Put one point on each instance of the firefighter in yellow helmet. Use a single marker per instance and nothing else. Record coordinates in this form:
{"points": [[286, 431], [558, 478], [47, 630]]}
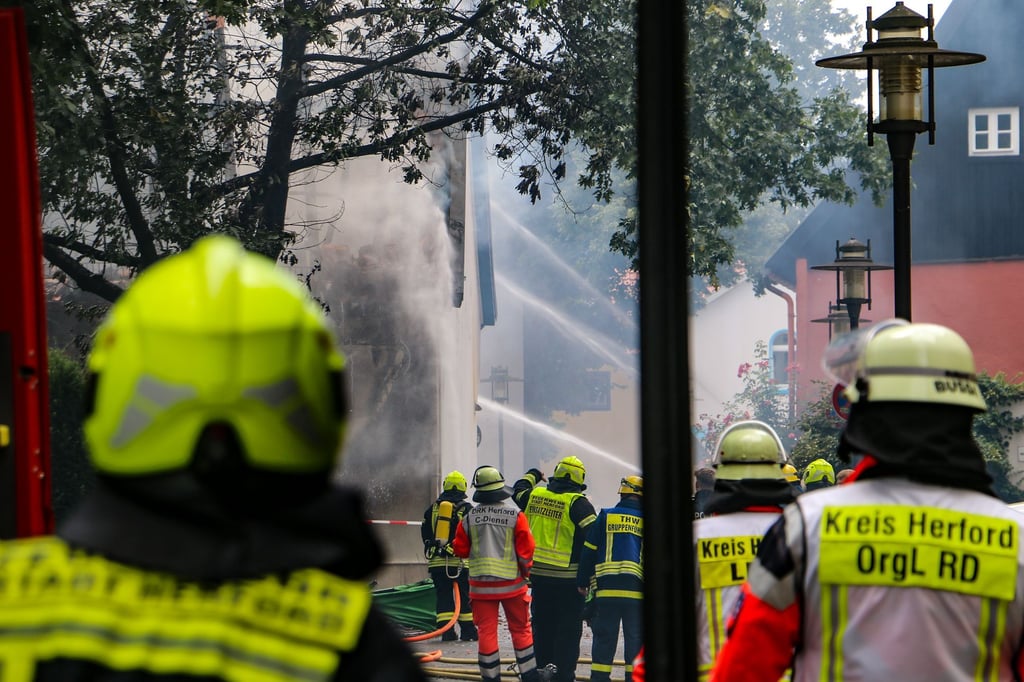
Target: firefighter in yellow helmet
{"points": [[912, 571], [789, 471], [214, 545], [559, 515], [440, 521], [818, 474], [750, 492], [613, 558]]}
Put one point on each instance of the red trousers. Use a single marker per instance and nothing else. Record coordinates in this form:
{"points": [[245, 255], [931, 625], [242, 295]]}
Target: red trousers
{"points": [[517, 614]]}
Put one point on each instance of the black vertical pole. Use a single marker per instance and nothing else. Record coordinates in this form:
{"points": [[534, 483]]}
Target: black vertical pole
{"points": [[669, 620], [901, 150]]}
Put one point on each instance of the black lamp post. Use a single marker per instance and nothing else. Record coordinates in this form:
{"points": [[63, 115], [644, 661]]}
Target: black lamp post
{"points": [[853, 267], [898, 55]]}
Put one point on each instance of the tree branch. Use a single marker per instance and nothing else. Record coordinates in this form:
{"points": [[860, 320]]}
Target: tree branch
{"points": [[243, 181], [86, 279], [91, 252], [340, 81], [423, 73], [119, 174]]}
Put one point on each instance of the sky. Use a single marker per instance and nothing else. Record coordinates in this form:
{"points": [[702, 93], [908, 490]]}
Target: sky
{"points": [[858, 8]]}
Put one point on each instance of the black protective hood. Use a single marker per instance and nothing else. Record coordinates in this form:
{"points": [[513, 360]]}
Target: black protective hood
{"points": [[564, 484], [451, 496], [169, 523], [733, 496], [923, 442]]}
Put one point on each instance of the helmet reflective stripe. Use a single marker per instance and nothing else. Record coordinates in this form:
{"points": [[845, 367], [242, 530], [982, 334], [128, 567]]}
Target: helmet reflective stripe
{"points": [[918, 371], [153, 394], [487, 478], [274, 395], [631, 485]]}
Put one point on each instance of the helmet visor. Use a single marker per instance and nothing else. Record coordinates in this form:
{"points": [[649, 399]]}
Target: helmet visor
{"points": [[842, 359]]}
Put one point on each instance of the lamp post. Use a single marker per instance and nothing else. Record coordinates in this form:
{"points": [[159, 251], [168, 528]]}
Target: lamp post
{"points": [[898, 55], [499, 380], [853, 267]]}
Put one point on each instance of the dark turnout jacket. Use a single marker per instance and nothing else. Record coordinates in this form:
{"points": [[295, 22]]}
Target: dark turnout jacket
{"points": [[134, 588]]}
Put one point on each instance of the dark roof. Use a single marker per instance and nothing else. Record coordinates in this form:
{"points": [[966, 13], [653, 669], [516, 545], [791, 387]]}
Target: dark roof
{"points": [[962, 208]]}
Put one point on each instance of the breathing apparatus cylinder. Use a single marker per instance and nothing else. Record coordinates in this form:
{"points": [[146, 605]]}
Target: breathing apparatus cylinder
{"points": [[443, 526]]}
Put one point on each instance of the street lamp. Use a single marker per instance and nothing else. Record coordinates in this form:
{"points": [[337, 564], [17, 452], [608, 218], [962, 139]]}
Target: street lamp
{"points": [[499, 380], [898, 55], [853, 266], [838, 320]]}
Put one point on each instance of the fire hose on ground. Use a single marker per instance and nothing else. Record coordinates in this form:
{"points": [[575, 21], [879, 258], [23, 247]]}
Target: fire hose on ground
{"points": [[437, 656], [470, 673]]}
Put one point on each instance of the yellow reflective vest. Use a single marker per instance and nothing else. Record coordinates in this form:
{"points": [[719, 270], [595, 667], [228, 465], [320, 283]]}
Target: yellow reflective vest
{"points": [[553, 529], [60, 603]]}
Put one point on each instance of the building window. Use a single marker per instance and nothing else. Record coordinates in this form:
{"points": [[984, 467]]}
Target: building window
{"points": [[596, 393], [994, 132], [778, 360]]}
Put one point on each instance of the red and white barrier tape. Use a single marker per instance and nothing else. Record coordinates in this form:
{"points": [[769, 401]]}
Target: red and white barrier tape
{"points": [[396, 523]]}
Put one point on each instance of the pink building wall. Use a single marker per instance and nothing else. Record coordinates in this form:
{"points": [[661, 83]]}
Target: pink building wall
{"points": [[983, 301]]}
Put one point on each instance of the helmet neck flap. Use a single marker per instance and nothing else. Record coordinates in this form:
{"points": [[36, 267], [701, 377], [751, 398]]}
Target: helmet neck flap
{"points": [[736, 495], [924, 442]]}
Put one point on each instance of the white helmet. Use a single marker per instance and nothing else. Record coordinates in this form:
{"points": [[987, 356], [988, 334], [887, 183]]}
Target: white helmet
{"points": [[749, 449]]}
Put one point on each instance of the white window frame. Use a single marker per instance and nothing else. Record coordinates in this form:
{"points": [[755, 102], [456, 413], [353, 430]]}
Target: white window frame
{"points": [[992, 115]]}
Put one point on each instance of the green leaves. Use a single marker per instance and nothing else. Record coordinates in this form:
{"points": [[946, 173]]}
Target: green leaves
{"points": [[765, 126], [163, 121]]}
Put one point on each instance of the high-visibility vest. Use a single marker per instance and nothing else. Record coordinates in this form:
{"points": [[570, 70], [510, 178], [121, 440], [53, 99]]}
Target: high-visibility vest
{"points": [[491, 529], [60, 603], [906, 581], [552, 528], [724, 546]]}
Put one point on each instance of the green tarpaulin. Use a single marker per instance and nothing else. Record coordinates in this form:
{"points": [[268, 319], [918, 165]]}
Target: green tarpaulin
{"points": [[411, 606]]}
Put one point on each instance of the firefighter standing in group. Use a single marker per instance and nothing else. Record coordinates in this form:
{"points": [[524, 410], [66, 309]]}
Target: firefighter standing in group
{"points": [[817, 475], [214, 545], [912, 571], [440, 521], [495, 537], [559, 515], [613, 557], [750, 493]]}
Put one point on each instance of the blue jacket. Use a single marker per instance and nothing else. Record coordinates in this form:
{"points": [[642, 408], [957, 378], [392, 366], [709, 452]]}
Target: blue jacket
{"points": [[613, 551]]}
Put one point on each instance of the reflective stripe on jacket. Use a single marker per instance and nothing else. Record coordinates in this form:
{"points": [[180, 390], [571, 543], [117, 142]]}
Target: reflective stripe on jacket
{"points": [[896, 581], [907, 581], [62, 604], [724, 547], [613, 552]]}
